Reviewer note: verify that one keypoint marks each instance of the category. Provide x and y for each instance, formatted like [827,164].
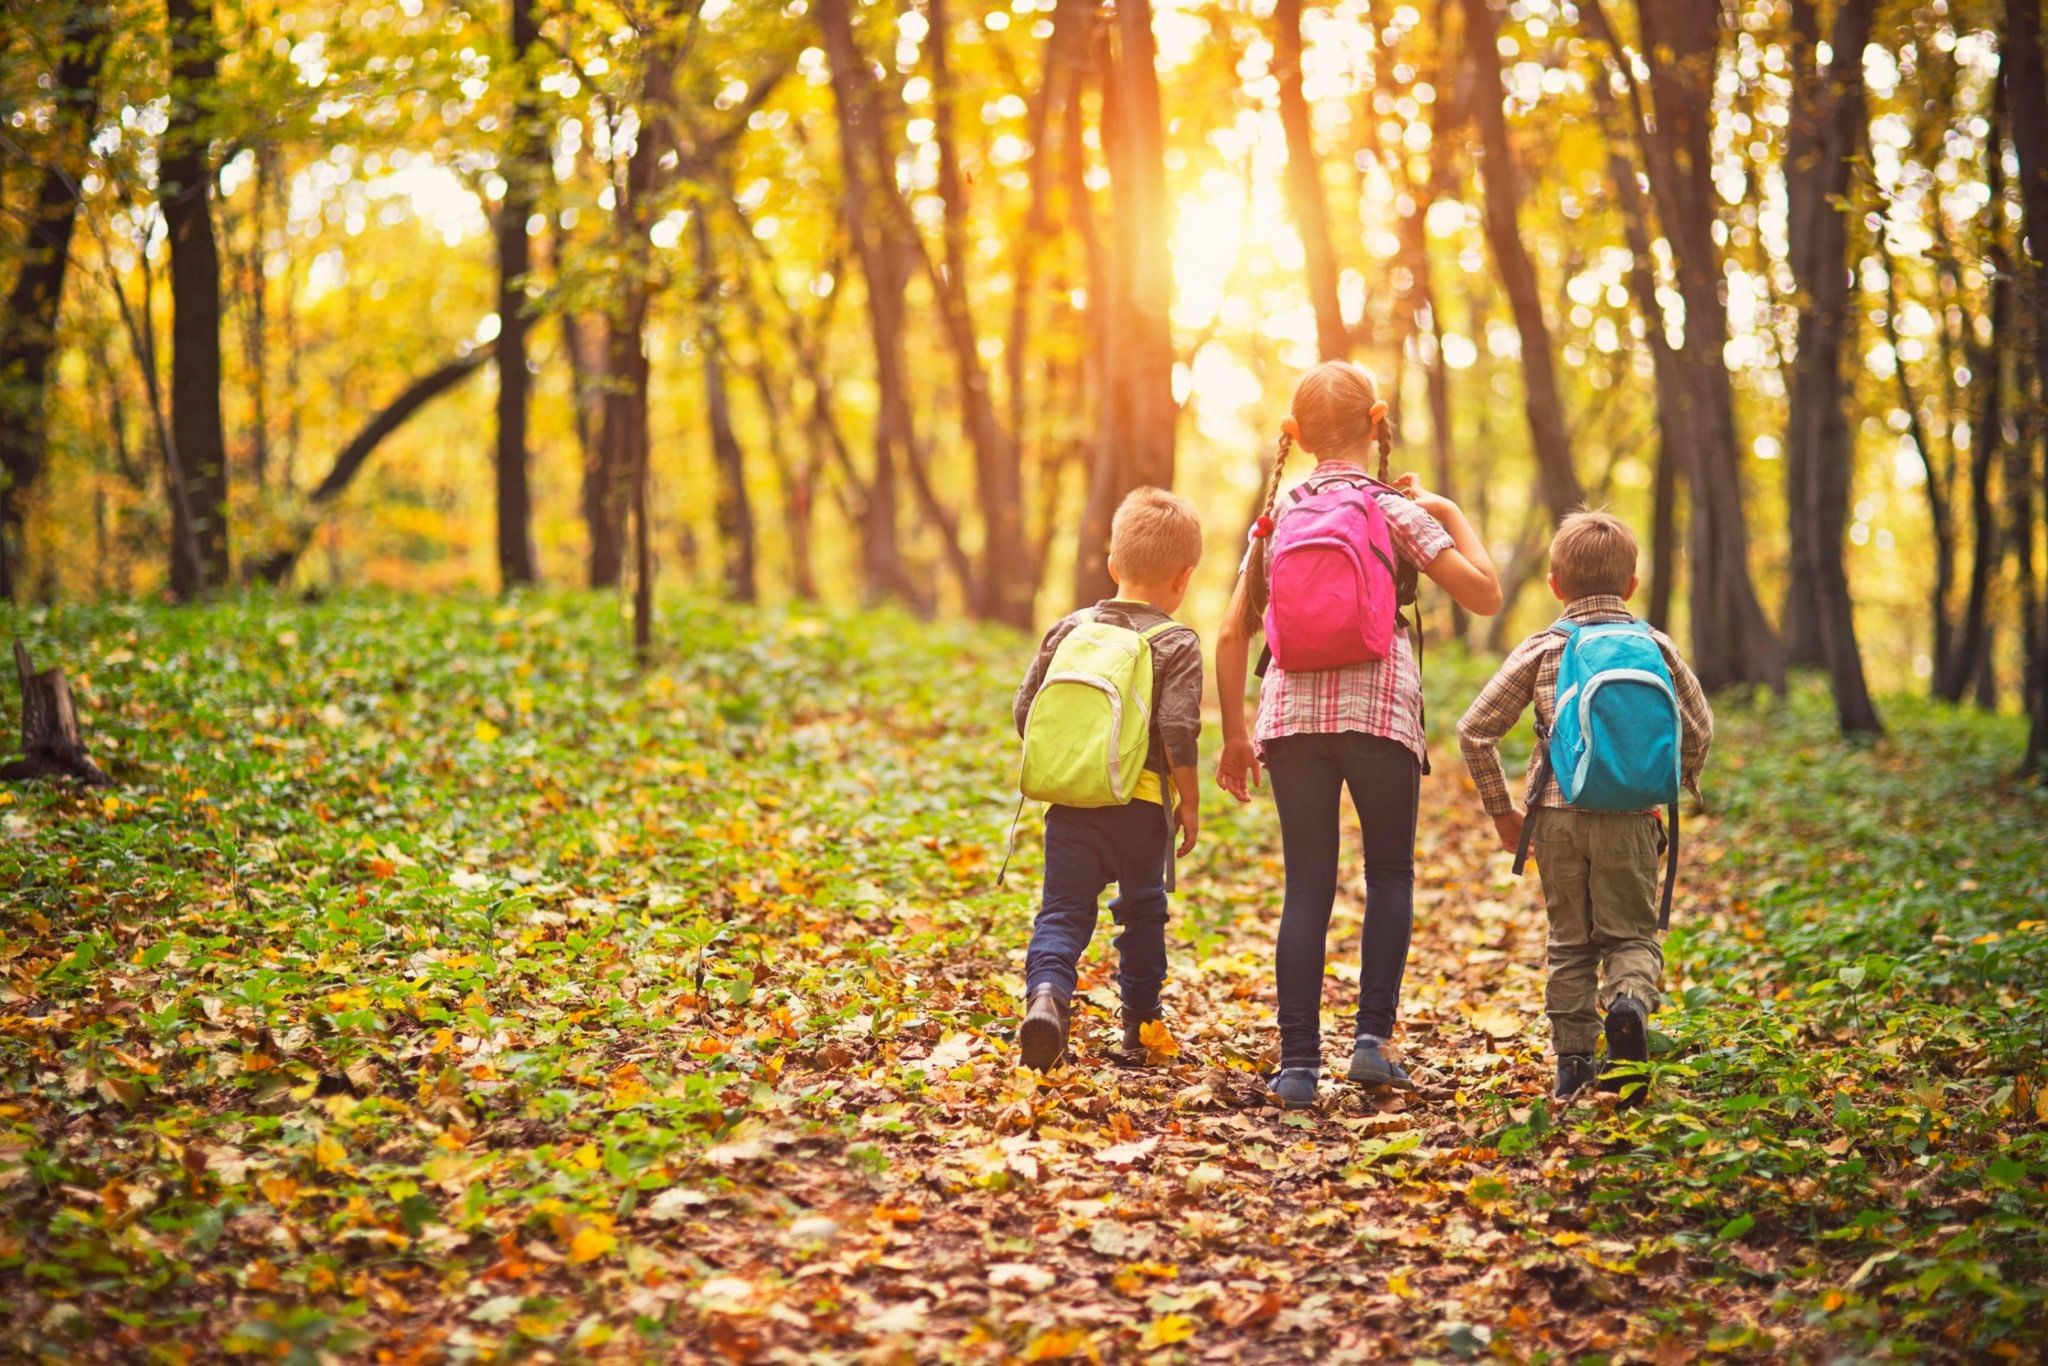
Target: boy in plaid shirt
[1599,867]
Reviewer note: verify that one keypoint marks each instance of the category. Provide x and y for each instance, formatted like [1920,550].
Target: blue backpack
[1614,744]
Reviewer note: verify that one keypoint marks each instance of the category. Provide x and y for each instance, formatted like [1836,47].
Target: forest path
[433,983]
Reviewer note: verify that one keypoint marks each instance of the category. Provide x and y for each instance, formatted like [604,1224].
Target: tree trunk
[1305,202]
[1642,281]
[1136,444]
[1828,124]
[1503,194]
[50,744]
[1732,641]
[2026,83]
[185,194]
[735,513]
[1005,579]
[524,166]
[1966,662]
[28,326]
[883,271]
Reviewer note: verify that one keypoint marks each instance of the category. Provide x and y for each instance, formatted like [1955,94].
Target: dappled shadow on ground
[434,985]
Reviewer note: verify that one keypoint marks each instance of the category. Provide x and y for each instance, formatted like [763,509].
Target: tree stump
[49,729]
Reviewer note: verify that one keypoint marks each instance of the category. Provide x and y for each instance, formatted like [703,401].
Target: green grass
[433,978]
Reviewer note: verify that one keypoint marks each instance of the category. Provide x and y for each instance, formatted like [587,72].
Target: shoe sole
[1385,1081]
[1041,1044]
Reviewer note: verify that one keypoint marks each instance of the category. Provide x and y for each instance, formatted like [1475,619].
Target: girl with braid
[1357,726]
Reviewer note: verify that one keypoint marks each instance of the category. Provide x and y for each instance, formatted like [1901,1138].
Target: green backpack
[1091,723]
[1088,730]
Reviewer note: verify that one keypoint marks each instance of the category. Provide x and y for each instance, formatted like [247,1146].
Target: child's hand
[1237,771]
[1435,504]
[1190,822]
[1509,824]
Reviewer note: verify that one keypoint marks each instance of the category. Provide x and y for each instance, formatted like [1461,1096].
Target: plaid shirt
[1379,696]
[1530,673]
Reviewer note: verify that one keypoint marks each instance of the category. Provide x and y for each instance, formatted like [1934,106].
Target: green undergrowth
[417,934]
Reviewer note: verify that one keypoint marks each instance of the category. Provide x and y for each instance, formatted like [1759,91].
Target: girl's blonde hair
[1337,410]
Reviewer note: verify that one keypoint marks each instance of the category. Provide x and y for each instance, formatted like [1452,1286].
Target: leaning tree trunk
[1139,417]
[525,164]
[1827,135]
[349,461]
[1733,642]
[735,514]
[1305,202]
[28,326]
[1503,193]
[185,194]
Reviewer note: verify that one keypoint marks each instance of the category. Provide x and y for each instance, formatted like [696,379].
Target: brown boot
[1042,1038]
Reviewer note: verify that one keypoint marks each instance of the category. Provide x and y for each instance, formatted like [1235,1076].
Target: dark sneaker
[1134,1053]
[1042,1038]
[1295,1088]
[1370,1067]
[1628,1043]
[1574,1073]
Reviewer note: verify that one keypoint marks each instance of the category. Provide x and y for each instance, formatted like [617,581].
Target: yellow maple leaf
[486,733]
[1056,1343]
[591,1243]
[1158,1039]
[1166,1330]
[328,1154]
[1398,1283]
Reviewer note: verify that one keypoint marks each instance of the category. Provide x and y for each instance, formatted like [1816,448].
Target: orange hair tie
[1378,411]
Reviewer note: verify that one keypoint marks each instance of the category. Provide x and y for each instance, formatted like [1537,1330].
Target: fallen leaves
[683,1014]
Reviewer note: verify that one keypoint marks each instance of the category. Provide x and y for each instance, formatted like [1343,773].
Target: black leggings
[1309,774]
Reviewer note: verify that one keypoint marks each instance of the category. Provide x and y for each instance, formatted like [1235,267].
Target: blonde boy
[1155,541]
[1599,867]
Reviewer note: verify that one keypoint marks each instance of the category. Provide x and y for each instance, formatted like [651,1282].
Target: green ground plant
[433,981]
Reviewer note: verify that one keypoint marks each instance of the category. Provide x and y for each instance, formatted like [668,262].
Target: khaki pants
[1600,885]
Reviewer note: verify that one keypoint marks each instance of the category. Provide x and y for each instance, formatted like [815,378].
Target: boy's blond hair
[1593,552]
[1154,536]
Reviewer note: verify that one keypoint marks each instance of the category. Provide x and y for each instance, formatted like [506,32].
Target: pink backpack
[1332,596]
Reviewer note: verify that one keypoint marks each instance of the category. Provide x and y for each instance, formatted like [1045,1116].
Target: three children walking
[1110,715]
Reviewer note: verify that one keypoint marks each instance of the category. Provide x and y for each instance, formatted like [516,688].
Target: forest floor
[431,984]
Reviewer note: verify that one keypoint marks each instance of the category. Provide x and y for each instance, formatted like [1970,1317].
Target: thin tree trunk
[1138,409]
[1503,193]
[885,278]
[1965,663]
[2021,72]
[1827,135]
[1305,201]
[524,165]
[1005,579]
[1642,279]
[1939,517]
[28,326]
[1733,642]
[735,513]
[185,191]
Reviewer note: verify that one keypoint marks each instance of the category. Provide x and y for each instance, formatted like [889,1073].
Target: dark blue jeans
[1309,775]
[1085,851]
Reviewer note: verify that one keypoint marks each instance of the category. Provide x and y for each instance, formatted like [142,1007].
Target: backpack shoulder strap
[1566,627]
[1160,629]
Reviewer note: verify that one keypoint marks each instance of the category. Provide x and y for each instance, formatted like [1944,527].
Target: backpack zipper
[1116,718]
[1586,715]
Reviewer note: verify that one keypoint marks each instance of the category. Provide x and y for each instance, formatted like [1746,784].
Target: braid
[1273,474]
[1382,434]
[1255,554]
